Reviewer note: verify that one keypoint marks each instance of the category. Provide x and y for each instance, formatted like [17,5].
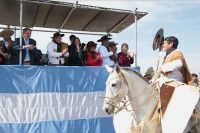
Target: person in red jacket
[124,58]
[93,57]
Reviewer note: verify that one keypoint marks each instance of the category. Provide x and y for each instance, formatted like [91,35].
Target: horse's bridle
[117,97]
[124,101]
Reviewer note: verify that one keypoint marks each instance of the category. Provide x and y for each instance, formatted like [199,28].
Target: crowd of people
[10,50]
[80,54]
[62,54]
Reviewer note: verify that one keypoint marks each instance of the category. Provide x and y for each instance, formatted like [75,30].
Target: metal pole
[136,54]
[63,31]
[69,14]
[15,30]
[21,15]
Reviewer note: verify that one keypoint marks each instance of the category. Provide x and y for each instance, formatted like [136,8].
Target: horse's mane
[138,74]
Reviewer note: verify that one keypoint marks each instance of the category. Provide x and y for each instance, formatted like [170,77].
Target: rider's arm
[168,67]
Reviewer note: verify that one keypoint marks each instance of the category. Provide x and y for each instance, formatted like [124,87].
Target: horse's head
[116,89]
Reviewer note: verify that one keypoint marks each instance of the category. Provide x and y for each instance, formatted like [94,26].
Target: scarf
[58,46]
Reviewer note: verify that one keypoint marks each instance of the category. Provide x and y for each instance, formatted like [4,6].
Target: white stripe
[35,107]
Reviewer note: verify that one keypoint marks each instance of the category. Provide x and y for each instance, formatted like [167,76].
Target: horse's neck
[141,96]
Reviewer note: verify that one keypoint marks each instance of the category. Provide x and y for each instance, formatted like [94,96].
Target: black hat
[158,39]
[104,38]
[57,34]
[112,43]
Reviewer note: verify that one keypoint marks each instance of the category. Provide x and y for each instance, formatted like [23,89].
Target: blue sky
[178,18]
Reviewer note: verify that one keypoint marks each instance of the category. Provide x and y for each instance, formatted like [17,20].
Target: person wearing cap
[93,57]
[125,59]
[57,51]
[28,47]
[105,51]
[113,48]
[6,47]
[174,66]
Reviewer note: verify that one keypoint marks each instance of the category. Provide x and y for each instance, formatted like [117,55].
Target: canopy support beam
[119,23]
[68,16]
[45,20]
[91,20]
[35,15]
[67,32]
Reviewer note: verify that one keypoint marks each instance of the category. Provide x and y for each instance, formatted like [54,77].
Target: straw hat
[3,32]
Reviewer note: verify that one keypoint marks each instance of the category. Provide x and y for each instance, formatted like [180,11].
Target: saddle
[166,92]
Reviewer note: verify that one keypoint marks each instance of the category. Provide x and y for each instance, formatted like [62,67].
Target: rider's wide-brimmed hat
[158,39]
[3,32]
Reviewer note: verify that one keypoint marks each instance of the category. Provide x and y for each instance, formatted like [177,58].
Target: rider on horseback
[174,65]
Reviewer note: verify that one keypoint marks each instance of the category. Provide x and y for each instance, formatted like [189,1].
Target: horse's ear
[117,68]
[109,69]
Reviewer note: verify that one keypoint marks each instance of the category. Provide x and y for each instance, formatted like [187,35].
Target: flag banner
[46,99]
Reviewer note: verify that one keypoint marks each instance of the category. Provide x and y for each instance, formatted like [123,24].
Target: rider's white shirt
[162,55]
[174,68]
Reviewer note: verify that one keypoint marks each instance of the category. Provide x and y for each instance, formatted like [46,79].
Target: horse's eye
[113,85]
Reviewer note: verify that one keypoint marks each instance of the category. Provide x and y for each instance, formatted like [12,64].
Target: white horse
[133,102]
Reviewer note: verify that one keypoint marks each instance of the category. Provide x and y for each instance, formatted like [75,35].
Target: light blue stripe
[97,125]
[36,79]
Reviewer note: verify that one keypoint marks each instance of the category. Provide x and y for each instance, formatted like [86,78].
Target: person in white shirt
[57,51]
[105,51]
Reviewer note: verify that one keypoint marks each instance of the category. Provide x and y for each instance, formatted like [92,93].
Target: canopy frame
[119,26]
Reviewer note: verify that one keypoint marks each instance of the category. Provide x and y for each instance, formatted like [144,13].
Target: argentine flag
[45,99]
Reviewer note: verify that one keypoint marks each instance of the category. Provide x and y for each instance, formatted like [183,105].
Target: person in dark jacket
[75,53]
[124,58]
[71,38]
[113,48]
[28,48]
